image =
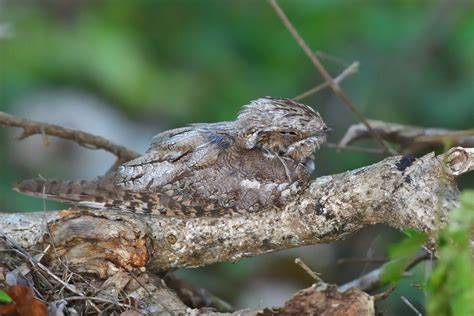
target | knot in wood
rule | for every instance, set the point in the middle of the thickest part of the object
(171, 239)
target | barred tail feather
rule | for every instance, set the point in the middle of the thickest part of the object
(103, 194)
(76, 192)
(96, 194)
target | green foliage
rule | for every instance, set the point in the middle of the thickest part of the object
(401, 254)
(451, 284)
(4, 297)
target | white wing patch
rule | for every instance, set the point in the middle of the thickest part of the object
(250, 184)
(91, 204)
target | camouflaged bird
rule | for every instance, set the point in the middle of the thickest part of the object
(260, 160)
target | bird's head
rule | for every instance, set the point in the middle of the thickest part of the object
(283, 127)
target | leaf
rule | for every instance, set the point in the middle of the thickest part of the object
(22, 303)
(4, 297)
(401, 254)
(451, 284)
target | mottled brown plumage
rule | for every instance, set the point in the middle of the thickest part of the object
(260, 160)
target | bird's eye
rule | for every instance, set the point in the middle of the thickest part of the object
(288, 133)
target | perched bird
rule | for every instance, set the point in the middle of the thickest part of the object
(260, 160)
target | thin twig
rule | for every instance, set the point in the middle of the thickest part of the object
(68, 286)
(313, 274)
(383, 295)
(418, 259)
(98, 299)
(350, 70)
(355, 148)
(37, 264)
(334, 86)
(406, 301)
(195, 296)
(82, 138)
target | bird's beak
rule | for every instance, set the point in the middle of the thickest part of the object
(326, 130)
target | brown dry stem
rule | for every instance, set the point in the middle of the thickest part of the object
(84, 139)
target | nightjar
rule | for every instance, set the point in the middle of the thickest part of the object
(258, 161)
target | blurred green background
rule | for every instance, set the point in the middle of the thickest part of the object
(129, 69)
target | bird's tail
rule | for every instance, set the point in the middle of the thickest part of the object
(101, 194)
(86, 193)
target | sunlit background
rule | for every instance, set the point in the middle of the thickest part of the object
(127, 70)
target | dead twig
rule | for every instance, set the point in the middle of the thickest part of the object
(195, 296)
(409, 304)
(84, 139)
(410, 138)
(331, 82)
(307, 269)
(385, 294)
(97, 299)
(350, 70)
(38, 265)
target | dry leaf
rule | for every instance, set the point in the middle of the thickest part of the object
(24, 303)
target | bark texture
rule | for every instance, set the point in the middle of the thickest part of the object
(398, 191)
(327, 300)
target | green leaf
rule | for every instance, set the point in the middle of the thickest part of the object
(401, 254)
(4, 297)
(451, 284)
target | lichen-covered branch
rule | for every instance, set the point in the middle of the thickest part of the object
(82, 138)
(410, 138)
(396, 191)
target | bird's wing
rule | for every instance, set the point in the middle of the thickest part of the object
(173, 154)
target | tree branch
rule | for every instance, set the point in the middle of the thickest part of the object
(395, 191)
(82, 138)
(410, 138)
